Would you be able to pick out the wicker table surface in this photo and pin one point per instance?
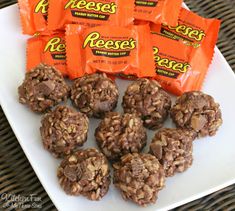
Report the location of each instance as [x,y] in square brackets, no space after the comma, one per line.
[17,176]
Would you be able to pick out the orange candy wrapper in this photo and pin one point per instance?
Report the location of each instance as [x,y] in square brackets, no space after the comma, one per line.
[192,29]
[178,68]
[199,33]
[158,11]
[33,15]
[48,49]
[90,13]
[113,50]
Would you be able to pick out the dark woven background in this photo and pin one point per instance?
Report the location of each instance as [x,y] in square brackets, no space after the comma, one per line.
[18,177]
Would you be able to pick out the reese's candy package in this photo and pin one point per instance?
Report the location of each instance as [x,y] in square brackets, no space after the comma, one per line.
[33,14]
[191,29]
[177,68]
[48,49]
[113,50]
[90,13]
[158,11]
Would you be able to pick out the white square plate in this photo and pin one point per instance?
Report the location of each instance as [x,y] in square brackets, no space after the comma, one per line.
[214,158]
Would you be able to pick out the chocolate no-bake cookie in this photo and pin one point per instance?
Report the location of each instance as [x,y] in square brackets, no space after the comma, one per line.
[139,177]
[94,94]
[197,111]
[148,100]
[86,172]
[43,88]
[173,148]
[63,130]
[119,134]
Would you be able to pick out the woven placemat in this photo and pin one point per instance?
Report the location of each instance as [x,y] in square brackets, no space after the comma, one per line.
[17,177]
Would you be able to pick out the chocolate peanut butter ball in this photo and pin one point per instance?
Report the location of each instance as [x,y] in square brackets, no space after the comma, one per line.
[119,134]
[63,130]
[173,148]
[139,177]
[197,111]
[86,173]
[148,100]
[43,88]
[94,94]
